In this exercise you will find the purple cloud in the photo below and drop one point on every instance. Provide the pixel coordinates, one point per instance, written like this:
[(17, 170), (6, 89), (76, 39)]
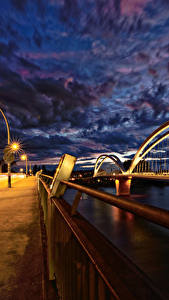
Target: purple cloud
[(84, 77)]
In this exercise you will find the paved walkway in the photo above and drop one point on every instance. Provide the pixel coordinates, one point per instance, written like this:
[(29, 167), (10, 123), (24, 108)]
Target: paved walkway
[(21, 262)]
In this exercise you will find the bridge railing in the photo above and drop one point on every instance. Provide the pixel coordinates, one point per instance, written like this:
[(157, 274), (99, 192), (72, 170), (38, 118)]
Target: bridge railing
[(81, 260)]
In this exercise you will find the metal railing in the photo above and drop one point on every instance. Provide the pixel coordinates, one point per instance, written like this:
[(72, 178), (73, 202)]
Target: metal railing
[(81, 260), (156, 215)]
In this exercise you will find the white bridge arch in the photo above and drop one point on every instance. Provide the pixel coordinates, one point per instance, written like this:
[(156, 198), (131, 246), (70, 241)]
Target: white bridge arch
[(140, 154), (100, 160)]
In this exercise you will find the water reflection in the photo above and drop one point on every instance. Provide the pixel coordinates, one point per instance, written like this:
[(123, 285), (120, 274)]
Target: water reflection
[(140, 240)]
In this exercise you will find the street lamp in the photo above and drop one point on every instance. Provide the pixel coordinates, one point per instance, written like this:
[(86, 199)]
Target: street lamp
[(8, 131), (14, 147), (9, 157), (24, 157)]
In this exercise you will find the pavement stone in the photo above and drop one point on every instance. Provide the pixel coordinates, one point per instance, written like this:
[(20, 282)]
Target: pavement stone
[(21, 257)]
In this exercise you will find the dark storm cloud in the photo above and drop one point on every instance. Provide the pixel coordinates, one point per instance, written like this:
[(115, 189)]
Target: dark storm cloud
[(112, 139), (100, 17), (70, 11), (151, 107), (8, 49), (67, 102), (27, 64), (84, 76), (106, 88), (37, 38), (8, 75), (111, 121), (19, 4), (53, 147), (37, 143), (21, 99), (39, 102)]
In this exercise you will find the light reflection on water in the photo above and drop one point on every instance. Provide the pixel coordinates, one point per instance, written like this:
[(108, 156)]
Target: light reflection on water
[(140, 240), (118, 226)]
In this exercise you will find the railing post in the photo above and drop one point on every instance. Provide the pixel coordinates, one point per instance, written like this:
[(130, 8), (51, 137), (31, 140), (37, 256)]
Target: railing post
[(37, 176), (51, 239), (63, 172), (76, 203)]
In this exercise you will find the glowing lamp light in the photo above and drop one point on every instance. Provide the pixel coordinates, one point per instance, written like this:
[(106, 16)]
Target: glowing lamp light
[(23, 157), (21, 170), (15, 146)]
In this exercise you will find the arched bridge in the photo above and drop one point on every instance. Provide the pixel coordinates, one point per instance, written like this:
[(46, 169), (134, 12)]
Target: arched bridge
[(100, 160), (148, 159)]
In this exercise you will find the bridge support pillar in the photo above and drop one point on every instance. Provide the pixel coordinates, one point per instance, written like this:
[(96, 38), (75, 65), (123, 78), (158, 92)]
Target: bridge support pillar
[(123, 185)]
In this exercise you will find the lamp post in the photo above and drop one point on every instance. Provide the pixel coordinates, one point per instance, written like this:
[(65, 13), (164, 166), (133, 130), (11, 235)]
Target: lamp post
[(30, 169), (9, 157), (25, 157), (8, 131)]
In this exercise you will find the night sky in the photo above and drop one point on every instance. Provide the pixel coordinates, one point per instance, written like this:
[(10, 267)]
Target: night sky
[(83, 77)]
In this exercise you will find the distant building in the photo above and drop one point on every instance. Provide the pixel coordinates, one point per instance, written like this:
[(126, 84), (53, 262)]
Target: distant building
[(82, 173)]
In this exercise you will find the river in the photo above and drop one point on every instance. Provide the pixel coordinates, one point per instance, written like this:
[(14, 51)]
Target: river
[(139, 240)]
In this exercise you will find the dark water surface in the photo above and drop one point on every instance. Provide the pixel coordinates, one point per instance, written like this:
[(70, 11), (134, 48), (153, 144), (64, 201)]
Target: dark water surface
[(145, 243)]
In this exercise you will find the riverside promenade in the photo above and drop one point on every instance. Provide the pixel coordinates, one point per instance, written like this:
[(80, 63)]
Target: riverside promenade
[(21, 251)]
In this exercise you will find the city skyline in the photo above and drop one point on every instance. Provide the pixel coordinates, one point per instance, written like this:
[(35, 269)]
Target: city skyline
[(83, 77)]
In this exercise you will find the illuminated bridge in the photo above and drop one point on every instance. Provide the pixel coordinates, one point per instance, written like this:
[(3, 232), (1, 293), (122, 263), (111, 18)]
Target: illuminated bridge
[(63, 240), (151, 161)]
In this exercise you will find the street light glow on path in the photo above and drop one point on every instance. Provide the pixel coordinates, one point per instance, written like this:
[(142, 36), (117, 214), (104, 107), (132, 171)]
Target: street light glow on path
[(25, 157)]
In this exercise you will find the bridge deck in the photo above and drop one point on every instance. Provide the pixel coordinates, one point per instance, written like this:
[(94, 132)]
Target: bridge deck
[(21, 265)]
